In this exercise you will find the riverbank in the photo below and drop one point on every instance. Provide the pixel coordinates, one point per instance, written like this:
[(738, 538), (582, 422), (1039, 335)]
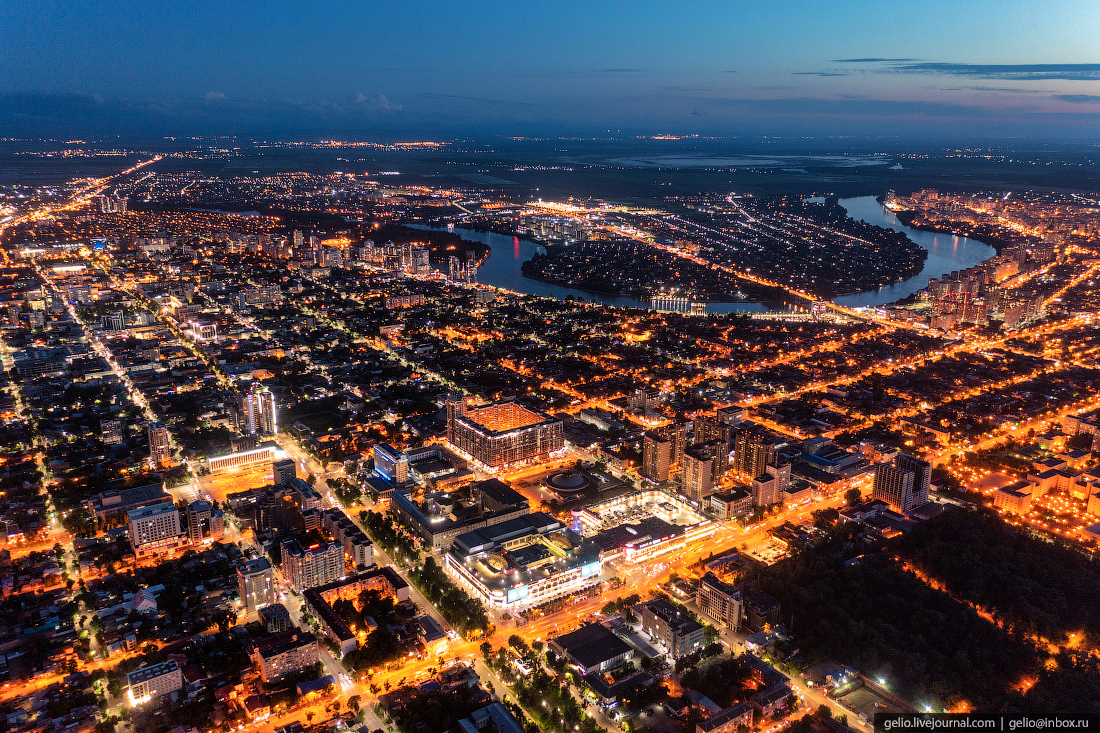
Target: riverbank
[(503, 268), (946, 253), (908, 218)]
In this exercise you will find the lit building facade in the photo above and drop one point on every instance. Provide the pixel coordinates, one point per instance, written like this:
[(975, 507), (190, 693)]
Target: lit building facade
[(255, 584), (311, 566), (154, 528), (503, 434)]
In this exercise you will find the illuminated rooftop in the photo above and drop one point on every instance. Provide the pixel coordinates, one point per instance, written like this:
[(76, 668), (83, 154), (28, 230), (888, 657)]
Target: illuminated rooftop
[(502, 416)]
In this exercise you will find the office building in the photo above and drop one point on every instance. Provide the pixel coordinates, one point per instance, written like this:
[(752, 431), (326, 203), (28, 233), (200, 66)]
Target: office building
[(504, 434), (259, 296), (656, 457), (676, 631), (697, 479), (255, 584), (154, 528), (121, 501), (439, 518), (720, 601), (315, 565), (391, 464), (729, 504), (159, 448), (283, 471), (115, 321), (768, 488), (204, 522), (243, 459), (154, 681), (759, 610)]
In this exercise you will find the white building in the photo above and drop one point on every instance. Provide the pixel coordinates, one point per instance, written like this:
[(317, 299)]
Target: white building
[(154, 528), (149, 683)]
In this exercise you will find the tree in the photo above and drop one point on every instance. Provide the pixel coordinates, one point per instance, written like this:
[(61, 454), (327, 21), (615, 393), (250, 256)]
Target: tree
[(853, 496), (486, 649), (311, 479), (353, 703), (826, 518), (608, 608)]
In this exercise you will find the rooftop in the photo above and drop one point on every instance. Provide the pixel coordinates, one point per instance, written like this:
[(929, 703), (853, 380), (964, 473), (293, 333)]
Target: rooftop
[(503, 416)]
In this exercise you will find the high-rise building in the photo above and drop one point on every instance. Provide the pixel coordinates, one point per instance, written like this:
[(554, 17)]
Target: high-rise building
[(309, 567), (676, 433), (255, 584), (753, 451), (159, 448), (454, 268), (768, 488), (284, 470), (720, 452), (710, 427), (697, 478), (656, 456), (421, 263), (204, 522), (154, 528), (894, 486), (256, 411), (456, 407), (922, 477)]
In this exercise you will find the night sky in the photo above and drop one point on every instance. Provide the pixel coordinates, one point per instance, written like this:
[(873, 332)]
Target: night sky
[(964, 70)]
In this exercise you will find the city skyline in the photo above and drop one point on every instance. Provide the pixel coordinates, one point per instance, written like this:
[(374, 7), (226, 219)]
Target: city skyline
[(565, 368)]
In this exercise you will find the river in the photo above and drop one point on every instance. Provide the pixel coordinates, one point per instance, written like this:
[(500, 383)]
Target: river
[(507, 254), (946, 252)]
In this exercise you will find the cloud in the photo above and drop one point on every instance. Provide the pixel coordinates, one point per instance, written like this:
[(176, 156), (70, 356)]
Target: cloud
[(378, 102), (1079, 98), (1018, 72), (482, 100), (214, 96), (869, 61), (1000, 72)]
